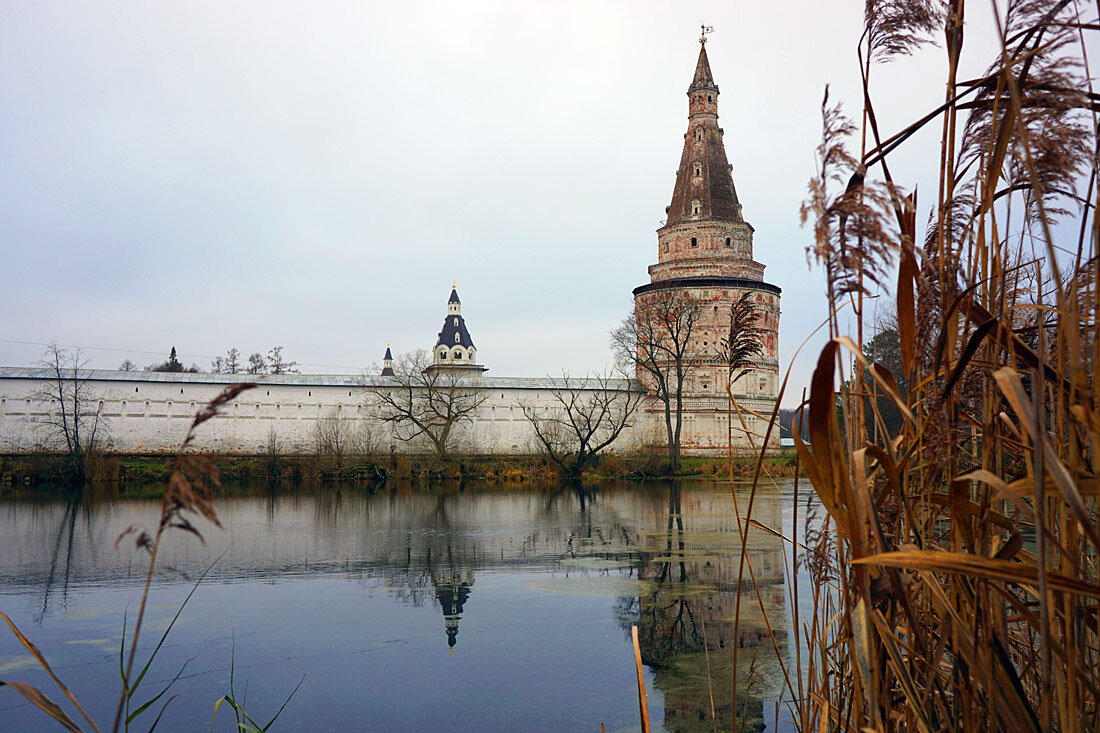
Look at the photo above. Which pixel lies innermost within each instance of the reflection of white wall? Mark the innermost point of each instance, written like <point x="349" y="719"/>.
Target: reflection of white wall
<point x="482" y="529"/>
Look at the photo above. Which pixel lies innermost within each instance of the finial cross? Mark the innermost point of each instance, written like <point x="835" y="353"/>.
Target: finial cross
<point x="705" y="30"/>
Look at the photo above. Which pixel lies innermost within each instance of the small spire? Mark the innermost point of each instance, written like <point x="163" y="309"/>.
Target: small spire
<point x="387" y="362"/>
<point x="703" y="76"/>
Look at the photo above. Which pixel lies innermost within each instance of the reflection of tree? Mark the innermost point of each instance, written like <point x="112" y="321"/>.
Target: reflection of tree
<point x="685" y="625"/>
<point x="65" y="530"/>
<point x="669" y="616"/>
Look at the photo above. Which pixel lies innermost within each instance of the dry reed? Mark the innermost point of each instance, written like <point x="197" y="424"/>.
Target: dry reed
<point x="955" y="579"/>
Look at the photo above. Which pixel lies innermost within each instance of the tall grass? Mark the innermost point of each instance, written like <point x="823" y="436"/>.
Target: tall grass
<point x="955" y="580"/>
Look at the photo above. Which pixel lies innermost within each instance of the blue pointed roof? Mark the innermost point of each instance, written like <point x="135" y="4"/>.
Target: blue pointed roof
<point x="454" y="297"/>
<point x="388" y="354"/>
<point x="452" y="325"/>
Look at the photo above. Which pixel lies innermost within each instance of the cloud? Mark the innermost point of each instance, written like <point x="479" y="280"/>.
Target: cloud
<point x="208" y="175"/>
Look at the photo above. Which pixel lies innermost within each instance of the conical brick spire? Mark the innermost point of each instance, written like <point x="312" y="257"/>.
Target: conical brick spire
<point x="702" y="69"/>
<point x="704" y="183"/>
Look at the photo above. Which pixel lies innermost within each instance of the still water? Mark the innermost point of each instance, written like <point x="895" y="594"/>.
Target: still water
<point x="412" y="608"/>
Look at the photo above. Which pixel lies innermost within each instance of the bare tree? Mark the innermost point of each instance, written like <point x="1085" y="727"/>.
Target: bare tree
<point x="333" y="437"/>
<point x="278" y="364"/>
<point x="425" y="403"/>
<point x="256" y="363"/>
<point x="232" y="363"/>
<point x="217" y="365"/>
<point x="127" y="366"/>
<point x="72" y="416"/>
<point x="656" y="339"/>
<point x="584" y="417"/>
<point x="365" y="436"/>
<point x="272" y="451"/>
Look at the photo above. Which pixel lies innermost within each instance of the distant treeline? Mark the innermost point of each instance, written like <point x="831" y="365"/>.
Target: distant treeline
<point x="232" y="363"/>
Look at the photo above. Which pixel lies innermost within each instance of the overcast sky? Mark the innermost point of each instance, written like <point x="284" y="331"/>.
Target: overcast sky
<point x="218" y="174"/>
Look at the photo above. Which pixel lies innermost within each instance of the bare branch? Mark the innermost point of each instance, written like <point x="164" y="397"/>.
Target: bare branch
<point x="424" y="403"/>
<point x="585" y="417"/>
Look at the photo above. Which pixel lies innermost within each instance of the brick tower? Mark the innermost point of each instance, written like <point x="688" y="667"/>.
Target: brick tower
<point x="704" y="253"/>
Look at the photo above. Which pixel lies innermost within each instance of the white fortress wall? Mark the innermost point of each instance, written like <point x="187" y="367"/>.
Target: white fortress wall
<point x="150" y="412"/>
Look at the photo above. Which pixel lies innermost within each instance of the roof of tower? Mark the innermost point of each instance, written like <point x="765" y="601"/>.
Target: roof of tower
<point x="702" y="69"/>
<point x="387" y="371"/>
<point x="452" y="325"/>
<point x="713" y="186"/>
<point x="454" y="297"/>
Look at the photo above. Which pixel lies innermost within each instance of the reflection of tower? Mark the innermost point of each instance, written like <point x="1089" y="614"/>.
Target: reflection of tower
<point x="452" y="588"/>
<point x="685" y="617"/>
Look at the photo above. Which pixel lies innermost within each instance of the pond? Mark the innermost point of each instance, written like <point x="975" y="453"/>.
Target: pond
<point x="472" y="608"/>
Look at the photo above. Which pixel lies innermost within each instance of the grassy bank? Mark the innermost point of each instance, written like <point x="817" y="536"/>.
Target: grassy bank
<point x="145" y="474"/>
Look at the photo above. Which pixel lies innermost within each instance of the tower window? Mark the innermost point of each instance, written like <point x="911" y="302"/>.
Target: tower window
<point x="708" y="98"/>
<point x="699" y="134"/>
<point x="694" y="242"/>
<point x="456" y="320"/>
<point x="727" y="241"/>
<point x="442" y="354"/>
<point x="457" y="337"/>
<point x="697" y="169"/>
<point x="458" y="354"/>
<point x="666" y="247"/>
<point x="696" y="208"/>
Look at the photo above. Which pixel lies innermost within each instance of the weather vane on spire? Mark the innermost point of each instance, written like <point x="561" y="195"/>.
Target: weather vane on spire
<point x="454" y="284"/>
<point x="705" y="30"/>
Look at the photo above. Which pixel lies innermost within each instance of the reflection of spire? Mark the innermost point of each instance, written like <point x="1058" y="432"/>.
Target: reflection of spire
<point x="452" y="588"/>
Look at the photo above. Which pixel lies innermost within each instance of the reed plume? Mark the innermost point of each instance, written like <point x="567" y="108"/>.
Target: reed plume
<point x="955" y="573"/>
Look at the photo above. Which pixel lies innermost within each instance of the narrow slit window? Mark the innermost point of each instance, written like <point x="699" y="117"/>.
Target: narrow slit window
<point x="694" y="242"/>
